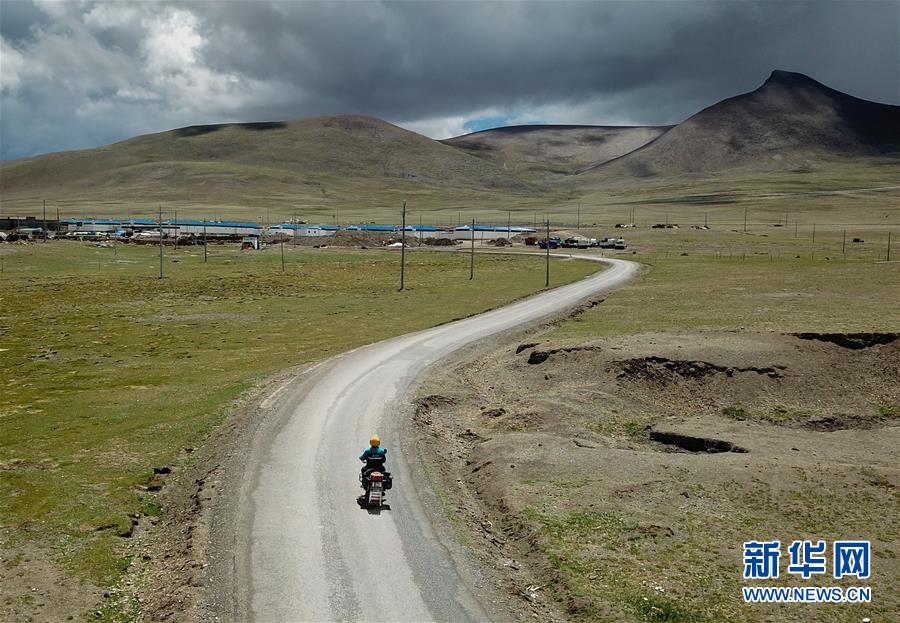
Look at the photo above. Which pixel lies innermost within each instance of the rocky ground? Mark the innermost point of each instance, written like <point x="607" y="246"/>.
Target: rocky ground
<point x="617" y="480"/>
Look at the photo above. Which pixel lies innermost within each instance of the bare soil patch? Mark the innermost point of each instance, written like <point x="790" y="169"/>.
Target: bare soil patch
<point x="621" y="476"/>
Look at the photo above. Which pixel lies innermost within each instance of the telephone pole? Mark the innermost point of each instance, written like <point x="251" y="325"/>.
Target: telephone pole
<point x="160" y="244"/>
<point x="45" y="220"/>
<point x="547" y="276"/>
<point x="204" y="241"/>
<point x="282" y="256"/>
<point x="745" y="220"/>
<point x="472" y="254"/>
<point x="403" y="247"/>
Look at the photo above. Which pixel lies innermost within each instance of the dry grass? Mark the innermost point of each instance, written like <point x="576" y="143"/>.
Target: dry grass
<point x="109" y="372"/>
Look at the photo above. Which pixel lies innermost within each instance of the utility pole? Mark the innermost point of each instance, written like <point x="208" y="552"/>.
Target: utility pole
<point x="508" y="222"/>
<point x="578" y="221"/>
<point x="844" y="244"/>
<point x="45" y="220"/>
<point x="814" y="233"/>
<point x="204" y="241"/>
<point x="176" y="230"/>
<point x="745" y="220"/>
<point x="160" y="244"/>
<point x="795" y="229"/>
<point x="58" y="225"/>
<point x="282" y="256"/>
<point x="889" y="247"/>
<point x="403" y="247"/>
<point x="547" y="275"/>
<point x="472" y="254"/>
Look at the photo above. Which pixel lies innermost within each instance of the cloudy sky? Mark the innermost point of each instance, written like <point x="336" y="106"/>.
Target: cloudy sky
<point x="82" y="74"/>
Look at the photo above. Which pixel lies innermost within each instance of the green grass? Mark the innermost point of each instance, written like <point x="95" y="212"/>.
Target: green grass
<point x="702" y="293"/>
<point x="776" y="415"/>
<point x="109" y="372"/>
<point x="735" y="412"/>
<point x="592" y="554"/>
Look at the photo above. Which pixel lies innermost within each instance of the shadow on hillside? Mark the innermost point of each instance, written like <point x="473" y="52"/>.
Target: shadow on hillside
<point x="197" y="130"/>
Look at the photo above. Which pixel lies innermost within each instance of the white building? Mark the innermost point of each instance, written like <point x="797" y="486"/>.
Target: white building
<point x="489" y="232"/>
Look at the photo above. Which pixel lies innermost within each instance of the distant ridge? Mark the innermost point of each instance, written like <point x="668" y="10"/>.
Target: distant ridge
<point x="791" y="122"/>
<point x="553" y="150"/>
<point x="789" y="119"/>
<point x="312" y="160"/>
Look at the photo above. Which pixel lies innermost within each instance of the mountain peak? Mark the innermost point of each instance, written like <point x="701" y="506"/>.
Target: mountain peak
<point x="790" y="79"/>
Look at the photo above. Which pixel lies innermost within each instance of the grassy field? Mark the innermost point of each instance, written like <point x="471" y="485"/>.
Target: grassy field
<point x="828" y="193"/>
<point x="700" y="293"/>
<point x="724" y="282"/>
<point x="109" y="372"/>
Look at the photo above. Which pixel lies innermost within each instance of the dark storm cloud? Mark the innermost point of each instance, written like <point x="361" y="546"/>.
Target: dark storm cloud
<point x="77" y="75"/>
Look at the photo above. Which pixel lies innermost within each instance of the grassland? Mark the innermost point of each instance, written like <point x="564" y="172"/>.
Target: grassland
<point x="109" y="372"/>
<point x="596" y="535"/>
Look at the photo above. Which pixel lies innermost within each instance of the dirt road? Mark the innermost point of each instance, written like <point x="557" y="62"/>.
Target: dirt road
<point x="301" y="549"/>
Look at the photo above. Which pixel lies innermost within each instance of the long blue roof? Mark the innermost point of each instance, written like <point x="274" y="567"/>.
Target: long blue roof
<point x="295" y="226"/>
<point x="496" y="228"/>
<point x="392" y="228"/>
<point x="144" y="221"/>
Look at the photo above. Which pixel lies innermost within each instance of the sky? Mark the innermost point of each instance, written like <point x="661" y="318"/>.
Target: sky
<point x="82" y="74"/>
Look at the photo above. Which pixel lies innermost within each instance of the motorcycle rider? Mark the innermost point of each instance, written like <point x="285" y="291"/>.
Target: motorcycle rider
<point x="374" y="458"/>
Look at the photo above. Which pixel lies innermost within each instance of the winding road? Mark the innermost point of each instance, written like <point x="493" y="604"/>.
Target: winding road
<point x="304" y="550"/>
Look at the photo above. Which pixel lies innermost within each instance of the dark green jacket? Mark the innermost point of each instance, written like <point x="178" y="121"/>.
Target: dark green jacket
<point x="373" y="452"/>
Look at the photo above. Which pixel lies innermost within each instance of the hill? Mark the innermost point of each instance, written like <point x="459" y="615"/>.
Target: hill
<point x="318" y="161"/>
<point x="788" y="121"/>
<point x="555" y="149"/>
<point x="361" y="168"/>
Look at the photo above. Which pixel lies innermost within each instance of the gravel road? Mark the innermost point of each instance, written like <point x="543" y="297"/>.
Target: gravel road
<point x="301" y="548"/>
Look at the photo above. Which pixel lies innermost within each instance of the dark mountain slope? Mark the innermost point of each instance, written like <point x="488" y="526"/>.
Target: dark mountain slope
<point x="789" y="119"/>
<point x="554" y="148"/>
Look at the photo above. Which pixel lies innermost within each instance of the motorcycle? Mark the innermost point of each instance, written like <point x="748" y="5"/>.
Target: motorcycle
<point x="375" y="483"/>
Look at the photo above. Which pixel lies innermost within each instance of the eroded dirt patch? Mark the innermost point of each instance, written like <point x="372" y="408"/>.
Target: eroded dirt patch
<point x="690" y="443"/>
<point x="597" y="474"/>
<point x="853" y="341"/>
<point x="664" y="370"/>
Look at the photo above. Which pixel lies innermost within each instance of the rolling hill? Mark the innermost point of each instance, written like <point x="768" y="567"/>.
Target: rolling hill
<point x="317" y="166"/>
<point x="555" y="149"/>
<point x="318" y="160"/>
<point x="784" y="124"/>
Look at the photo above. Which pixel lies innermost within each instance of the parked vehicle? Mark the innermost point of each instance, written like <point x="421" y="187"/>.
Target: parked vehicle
<point x="606" y="243"/>
<point x="555" y="243"/>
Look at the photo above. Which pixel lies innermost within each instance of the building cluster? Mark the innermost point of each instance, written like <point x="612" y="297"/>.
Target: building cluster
<point x="149" y="228"/>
